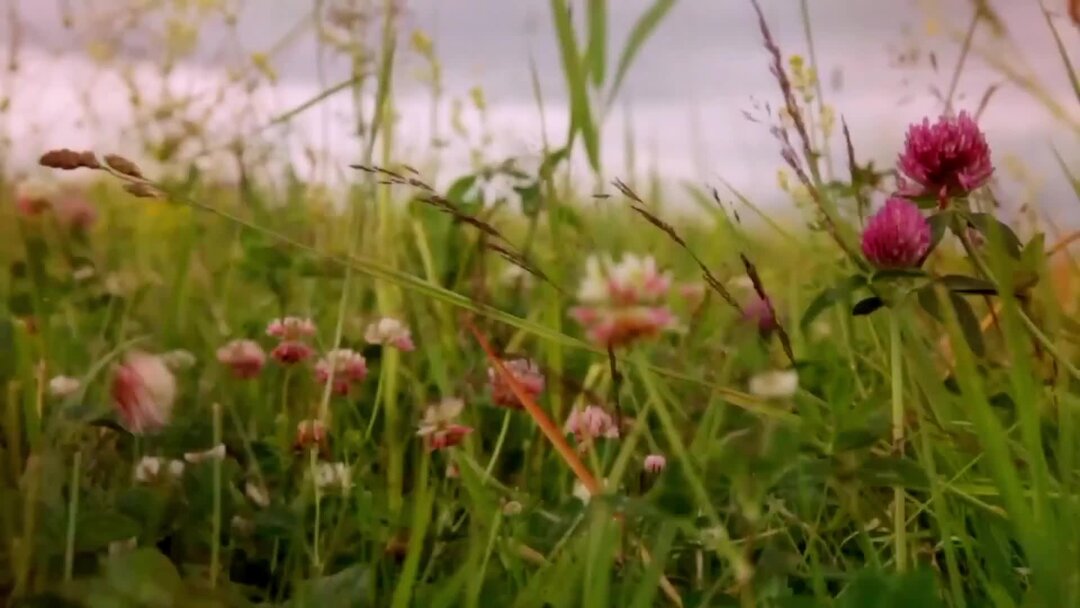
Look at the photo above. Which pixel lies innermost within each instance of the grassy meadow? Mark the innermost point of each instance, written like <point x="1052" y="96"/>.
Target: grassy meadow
<point x="565" y="392"/>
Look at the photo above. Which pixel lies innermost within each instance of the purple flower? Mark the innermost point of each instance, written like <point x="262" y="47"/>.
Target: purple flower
<point x="758" y="311"/>
<point x="898" y="236"/>
<point x="947" y="158"/>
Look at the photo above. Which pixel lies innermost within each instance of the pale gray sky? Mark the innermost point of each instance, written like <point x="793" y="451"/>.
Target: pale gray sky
<point x="687" y="92"/>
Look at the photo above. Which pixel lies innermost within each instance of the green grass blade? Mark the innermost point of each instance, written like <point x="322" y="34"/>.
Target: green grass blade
<point x="643" y="29"/>
<point x="581" y="119"/>
<point x="596" y="52"/>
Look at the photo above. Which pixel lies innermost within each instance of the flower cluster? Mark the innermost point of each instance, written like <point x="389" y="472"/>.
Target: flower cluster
<point x="292" y="333"/>
<point x="389" y="331"/>
<point x="244" y="357"/>
<point x="525" y="372"/>
<point x="945" y="159"/>
<point x="590" y="424"/>
<point x="343" y="368"/>
<point x="439" y="426"/>
<point x="621" y="302"/>
<point x="949" y="158"/>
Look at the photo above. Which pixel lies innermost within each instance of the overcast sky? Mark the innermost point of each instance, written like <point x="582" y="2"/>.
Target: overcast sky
<point x="687" y="94"/>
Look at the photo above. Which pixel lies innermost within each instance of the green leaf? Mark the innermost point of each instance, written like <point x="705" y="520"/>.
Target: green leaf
<point x="891" y="275"/>
<point x="1033" y="257"/>
<point x="969" y="324"/>
<point x="939" y="222"/>
<point x="7" y="346"/>
<point x="643" y="28"/>
<point x="880" y="590"/>
<point x="530" y="198"/>
<point x="874" y="429"/>
<point x="959" y="283"/>
<point x="596" y="52"/>
<point x="829" y="297"/>
<point x="95" y="529"/>
<point x="867" y="306"/>
<point x="461" y="186"/>
<point x="987" y="224"/>
<point x="349" y="587"/>
<point x="580" y="113"/>
<point x="144" y="576"/>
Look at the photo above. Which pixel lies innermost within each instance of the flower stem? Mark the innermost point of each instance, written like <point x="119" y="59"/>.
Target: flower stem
<point x="315" y="561"/>
<point x="498" y="446"/>
<point x="73" y="512"/>
<point x="215" y="539"/>
<point x="896" y="365"/>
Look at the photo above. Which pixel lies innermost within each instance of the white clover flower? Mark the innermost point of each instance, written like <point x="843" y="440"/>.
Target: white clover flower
<point x="215" y="453"/>
<point x="775" y="384"/>
<point x="64" y="386"/>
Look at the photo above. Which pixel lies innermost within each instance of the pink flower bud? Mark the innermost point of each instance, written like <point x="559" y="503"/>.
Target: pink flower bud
<point x="244" y="357"/>
<point x="291" y="352"/>
<point x="527" y="374"/>
<point x="347" y="367"/>
<point x="655" y="463"/>
<point x="291" y="328"/>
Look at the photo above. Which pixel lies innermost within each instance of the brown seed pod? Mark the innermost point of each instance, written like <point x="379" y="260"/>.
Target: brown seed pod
<point x="88" y="159"/>
<point x="141" y="190"/>
<point x="63" y="158"/>
<point x="122" y="165"/>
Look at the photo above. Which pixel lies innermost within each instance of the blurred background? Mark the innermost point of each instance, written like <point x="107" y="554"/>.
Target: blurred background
<point x="291" y="83"/>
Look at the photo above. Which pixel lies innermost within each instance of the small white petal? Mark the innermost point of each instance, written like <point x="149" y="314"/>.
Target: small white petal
<point x="775" y="384"/>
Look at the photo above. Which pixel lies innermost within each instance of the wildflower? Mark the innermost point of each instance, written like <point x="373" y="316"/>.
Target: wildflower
<point x="83" y="273"/>
<point x="257" y="494"/>
<point x="775" y="384"/>
<point x="291" y="328"/>
<point x="945" y="159"/>
<point x="63" y="386"/>
<point x="655" y="463"/>
<point x="439" y="427"/>
<point x="581" y="493"/>
<point x="693" y="292"/>
<point x="290" y="352"/>
<point x="620" y="302"/>
<point x="389" y="331"/>
<point x="310" y="433"/>
<point x="76" y="213"/>
<point x="121" y="546"/>
<point x="527" y="374"/>
<point x="511" y="508"/>
<point x="333" y="475"/>
<point x="215" y="453"/>
<point x="244" y="357"/>
<point x="151" y="468"/>
<point x="897" y="236"/>
<point x="345" y="365"/>
<point x="515" y="275"/>
<point x="143" y="392"/>
<point x="33" y="198"/>
<point x="241" y="525"/>
<point x="589" y="424"/>
<point x="179" y="359"/>
<point x="759" y="312"/>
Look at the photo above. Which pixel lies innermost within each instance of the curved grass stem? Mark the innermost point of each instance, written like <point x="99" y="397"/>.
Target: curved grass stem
<point x="896" y="366"/>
